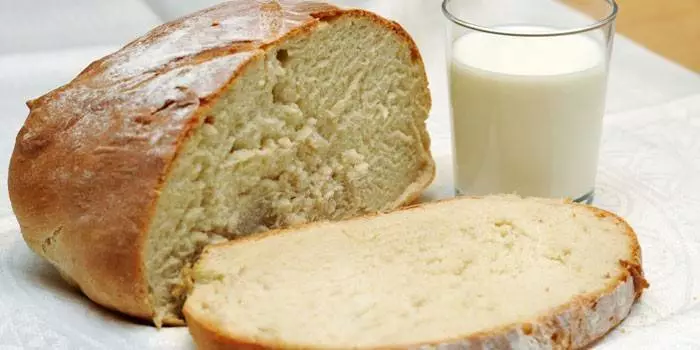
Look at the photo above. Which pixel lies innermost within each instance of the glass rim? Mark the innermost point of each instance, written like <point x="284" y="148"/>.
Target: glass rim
<point x="595" y="25"/>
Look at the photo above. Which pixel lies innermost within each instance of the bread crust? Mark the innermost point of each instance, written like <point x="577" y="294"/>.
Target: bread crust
<point x="574" y="325"/>
<point x="91" y="159"/>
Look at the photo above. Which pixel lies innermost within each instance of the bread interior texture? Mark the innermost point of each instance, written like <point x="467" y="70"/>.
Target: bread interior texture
<point x="326" y="125"/>
<point x="425" y="275"/>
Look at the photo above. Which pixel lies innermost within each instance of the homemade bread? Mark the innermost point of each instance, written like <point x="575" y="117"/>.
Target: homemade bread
<point x="498" y="272"/>
<point x="244" y="117"/>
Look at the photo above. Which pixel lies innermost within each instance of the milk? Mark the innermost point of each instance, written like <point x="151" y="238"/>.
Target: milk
<point x="527" y="113"/>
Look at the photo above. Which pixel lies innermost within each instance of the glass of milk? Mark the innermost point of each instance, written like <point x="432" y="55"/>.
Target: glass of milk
<point x="527" y="81"/>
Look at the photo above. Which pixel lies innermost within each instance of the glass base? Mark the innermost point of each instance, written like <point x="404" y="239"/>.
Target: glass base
<point x="585" y="199"/>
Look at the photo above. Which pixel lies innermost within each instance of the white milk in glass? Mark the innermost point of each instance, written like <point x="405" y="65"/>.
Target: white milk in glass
<point x="527" y="113"/>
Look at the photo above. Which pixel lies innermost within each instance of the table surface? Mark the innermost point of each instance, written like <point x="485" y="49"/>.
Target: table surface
<point x="670" y="28"/>
<point x="649" y="170"/>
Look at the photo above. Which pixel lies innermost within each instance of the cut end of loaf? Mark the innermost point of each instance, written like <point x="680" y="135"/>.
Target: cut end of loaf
<point x="326" y="125"/>
<point x="496" y="270"/>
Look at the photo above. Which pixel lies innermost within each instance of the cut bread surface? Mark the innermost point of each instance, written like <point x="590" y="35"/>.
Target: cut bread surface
<point x="468" y="271"/>
<point x="326" y="125"/>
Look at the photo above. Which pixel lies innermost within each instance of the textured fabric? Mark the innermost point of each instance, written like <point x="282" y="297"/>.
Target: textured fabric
<point x="649" y="171"/>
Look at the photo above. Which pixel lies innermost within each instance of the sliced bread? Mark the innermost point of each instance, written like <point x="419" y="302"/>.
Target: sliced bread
<point x="496" y="272"/>
<point x="247" y="116"/>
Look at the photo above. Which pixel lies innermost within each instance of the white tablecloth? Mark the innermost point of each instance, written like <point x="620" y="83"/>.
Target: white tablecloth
<point x="649" y="170"/>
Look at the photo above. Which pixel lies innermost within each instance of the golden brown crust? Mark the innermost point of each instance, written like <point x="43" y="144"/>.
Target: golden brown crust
<point x="564" y="327"/>
<point x="633" y="266"/>
<point x="91" y="158"/>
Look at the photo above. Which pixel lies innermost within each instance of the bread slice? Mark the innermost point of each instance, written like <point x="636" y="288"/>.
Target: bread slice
<point x="497" y="272"/>
<point x="248" y="116"/>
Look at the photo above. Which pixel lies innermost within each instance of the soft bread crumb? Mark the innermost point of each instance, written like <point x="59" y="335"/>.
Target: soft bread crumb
<point x="429" y="274"/>
<point x="328" y="126"/>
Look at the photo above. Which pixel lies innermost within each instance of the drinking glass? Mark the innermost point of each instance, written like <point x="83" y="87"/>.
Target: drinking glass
<point x="527" y="82"/>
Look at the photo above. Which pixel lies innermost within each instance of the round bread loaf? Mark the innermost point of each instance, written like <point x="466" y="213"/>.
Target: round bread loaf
<point x="244" y="117"/>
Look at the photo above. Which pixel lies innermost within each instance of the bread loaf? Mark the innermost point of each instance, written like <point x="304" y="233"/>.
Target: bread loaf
<point x="244" y="117"/>
<point x="497" y="272"/>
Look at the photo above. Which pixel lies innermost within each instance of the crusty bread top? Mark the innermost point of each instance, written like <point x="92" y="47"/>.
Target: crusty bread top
<point x="115" y="130"/>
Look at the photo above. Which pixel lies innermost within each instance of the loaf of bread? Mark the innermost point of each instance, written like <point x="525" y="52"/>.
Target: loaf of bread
<point x="498" y="272"/>
<point x="247" y="116"/>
